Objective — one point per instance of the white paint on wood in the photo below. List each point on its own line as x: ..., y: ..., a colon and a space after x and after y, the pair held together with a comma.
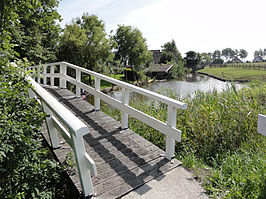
x: 52, y: 77
x: 50, y: 127
x: 262, y: 124
x: 97, y: 89
x: 73, y: 134
x: 63, y: 74
x: 169, y: 128
x: 124, y: 114
x: 170, y: 142
x: 78, y: 79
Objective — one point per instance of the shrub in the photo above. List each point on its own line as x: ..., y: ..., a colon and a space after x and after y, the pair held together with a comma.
x: 26, y: 168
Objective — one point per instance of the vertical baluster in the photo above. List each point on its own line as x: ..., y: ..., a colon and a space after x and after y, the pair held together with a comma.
x: 96, y: 99
x: 33, y: 75
x: 84, y: 172
x: 78, y: 79
x: 63, y: 72
x: 51, y: 127
x: 170, y: 142
x: 52, y: 75
x: 44, y: 75
x: 38, y: 75
x: 124, y: 115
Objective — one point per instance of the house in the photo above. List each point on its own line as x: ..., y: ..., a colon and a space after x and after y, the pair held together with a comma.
x: 258, y: 59
x: 156, y: 56
x: 236, y: 60
x: 158, y: 71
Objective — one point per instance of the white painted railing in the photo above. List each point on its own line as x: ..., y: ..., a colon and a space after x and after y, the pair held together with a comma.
x: 169, y: 128
x: 60, y: 119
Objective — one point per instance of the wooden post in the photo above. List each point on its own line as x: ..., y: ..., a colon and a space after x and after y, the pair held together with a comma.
x: 78, y: 79
x: 262, y: 124
x: 63, y: 72
x: 124, y: 115
x: 38, y: 75
x: 170, y: 142
x: 52, y: 77
x: 96, y: 99
x: 50, y: 127
x: 44, y: 75
x: 84, y: 172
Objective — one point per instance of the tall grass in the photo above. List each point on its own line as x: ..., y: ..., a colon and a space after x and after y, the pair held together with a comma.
x: 219, y: 138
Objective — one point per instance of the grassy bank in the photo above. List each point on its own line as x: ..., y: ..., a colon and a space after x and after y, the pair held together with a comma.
x: 235, y: 73
x: 220, y: 142
x: 106, y: 84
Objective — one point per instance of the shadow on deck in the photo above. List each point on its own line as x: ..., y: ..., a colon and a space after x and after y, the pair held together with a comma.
x: 124, y: 160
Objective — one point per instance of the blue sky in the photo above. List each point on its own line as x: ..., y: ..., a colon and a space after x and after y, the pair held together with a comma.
x: 199, y: 25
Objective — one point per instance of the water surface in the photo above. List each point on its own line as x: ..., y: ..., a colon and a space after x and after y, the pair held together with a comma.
x: 185, y: 87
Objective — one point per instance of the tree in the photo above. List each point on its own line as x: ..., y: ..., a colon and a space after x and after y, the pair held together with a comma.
x: 192, y: 59
x: 170, y: 52
x: 31, y: 27
x: 243, y: 53
x: 259, y: 53
x: 73, y: 45
x: 131, y: 47
x: 37, y: 33
x: 205, y: 58
x: 217, y: 54
x: 85, y: 43
x: 217, y: 57
x: 178, y: 69
x: 228, y: 53
x: 166, y: 57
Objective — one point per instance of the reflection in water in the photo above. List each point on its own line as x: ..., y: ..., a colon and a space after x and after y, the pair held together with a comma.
x: 189, y: 86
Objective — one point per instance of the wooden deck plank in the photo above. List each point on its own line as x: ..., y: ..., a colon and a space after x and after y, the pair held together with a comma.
x: 124, y: 160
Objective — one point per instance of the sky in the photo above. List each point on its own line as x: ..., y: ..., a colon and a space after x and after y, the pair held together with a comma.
x: 198, y: 25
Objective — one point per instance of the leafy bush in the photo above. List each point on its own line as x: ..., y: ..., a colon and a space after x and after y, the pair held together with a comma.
x: 26, y: 168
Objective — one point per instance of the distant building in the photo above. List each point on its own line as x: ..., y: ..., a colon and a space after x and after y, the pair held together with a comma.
x: 156, y: 56
x: 258, y: 59
x: 237, y: 60
x: 159, y: 71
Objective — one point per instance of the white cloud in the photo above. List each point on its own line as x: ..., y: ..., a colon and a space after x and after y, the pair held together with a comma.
x: 200, y: 25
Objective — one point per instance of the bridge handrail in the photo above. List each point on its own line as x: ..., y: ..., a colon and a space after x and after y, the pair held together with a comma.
x: 168, y: 128
x: 68, y: 118
x: 147, y: 93
x: 73, y: 133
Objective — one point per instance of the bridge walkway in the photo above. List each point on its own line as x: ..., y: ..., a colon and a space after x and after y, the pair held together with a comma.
x: 124, y: 160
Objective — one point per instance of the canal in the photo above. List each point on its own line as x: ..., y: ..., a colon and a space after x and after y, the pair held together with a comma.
x: 187, y: 86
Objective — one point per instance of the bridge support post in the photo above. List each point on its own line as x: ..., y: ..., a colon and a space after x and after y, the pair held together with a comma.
x: 170, y: 142
x: 78, y: 79
x: 124, y: 115
x: 50, y: 127
x: 97, y: 99
x: 84, y: 172
x: 63, y: 71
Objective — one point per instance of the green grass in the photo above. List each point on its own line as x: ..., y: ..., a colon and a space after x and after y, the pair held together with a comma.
x: 105, y: 84
x: 220, y: 142
x: 257, y: 65
x: 236, y: 73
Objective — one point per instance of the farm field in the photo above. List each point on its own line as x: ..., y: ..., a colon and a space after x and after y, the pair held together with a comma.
x: 229, y: 73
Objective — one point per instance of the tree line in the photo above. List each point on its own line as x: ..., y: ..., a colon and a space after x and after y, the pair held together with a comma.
x: 37, y: 36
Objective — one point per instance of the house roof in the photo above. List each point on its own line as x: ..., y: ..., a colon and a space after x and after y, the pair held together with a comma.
x: 159, y: 68
x: 236, y: 59
x: 258, y: 59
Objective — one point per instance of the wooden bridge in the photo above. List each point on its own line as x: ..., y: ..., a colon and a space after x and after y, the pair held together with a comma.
x: 112, y: 161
